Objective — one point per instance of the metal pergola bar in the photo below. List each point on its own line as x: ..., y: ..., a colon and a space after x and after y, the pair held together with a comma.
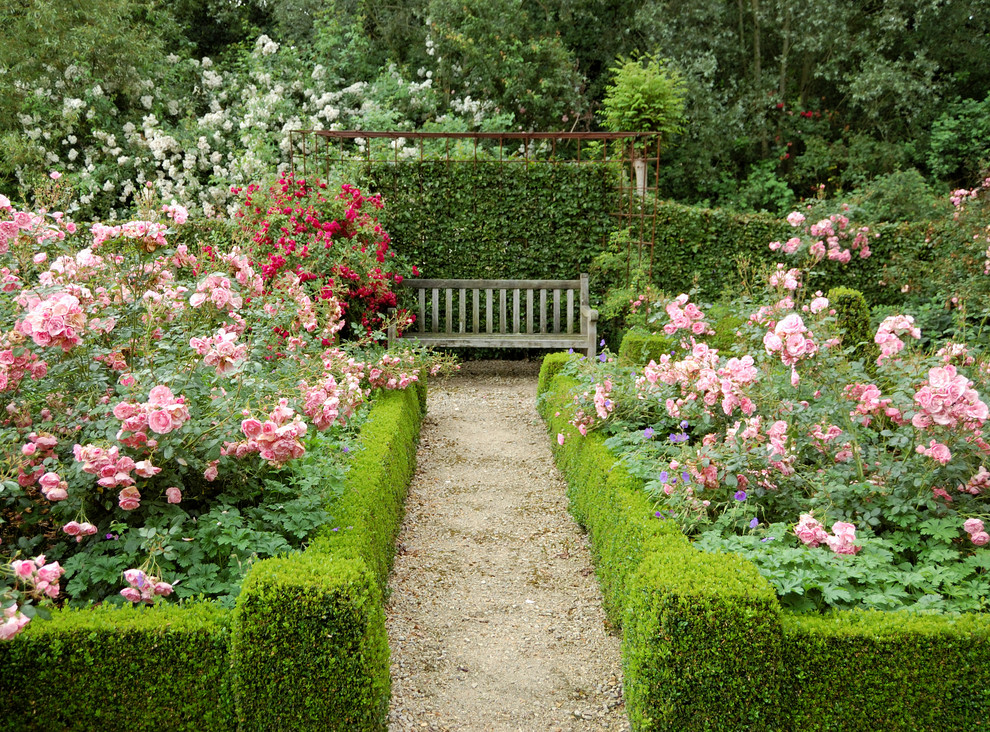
x: 313, y: 152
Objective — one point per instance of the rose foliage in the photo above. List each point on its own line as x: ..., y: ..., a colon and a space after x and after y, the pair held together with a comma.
x: 174, y: 412
x: 848, y: 484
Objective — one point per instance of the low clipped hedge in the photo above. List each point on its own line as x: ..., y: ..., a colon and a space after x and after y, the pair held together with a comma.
x: 704, y: 642
x: 310, y: 651
x: 120, y: 668
x: 305, y: 648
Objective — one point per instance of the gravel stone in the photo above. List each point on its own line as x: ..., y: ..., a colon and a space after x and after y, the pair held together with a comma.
x: 494, y: 618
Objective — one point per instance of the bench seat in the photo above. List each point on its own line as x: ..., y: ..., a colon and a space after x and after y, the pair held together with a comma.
x: 463, y: 313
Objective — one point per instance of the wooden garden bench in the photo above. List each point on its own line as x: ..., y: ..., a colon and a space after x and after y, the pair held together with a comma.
x: 504, y: 314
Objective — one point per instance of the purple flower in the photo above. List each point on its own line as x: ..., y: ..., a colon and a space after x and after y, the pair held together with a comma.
x: 602, y: 343
x: 765, y: 540
x: 678, y: 437
x: 684, y: 424
x: 663, y: 476
x: 570, y: 350
x: 658, y: 515
x: 603, y: 358
x: 648, y: 433
x: 754, y: 523
x: 685, y: 477
x: 740, y: 495
x: 345, y: 448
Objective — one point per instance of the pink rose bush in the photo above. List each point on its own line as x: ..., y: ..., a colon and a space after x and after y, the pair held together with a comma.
x: 152, y: 389
x: 838, y: 483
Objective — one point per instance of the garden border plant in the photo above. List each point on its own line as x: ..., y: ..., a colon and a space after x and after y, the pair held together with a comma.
x: 305, y: 648
x: 706, y: 646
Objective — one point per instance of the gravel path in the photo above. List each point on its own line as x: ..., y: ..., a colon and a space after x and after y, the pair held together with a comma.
x: 495, y: 619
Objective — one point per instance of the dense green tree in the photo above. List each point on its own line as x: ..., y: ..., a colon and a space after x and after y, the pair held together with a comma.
x: 493, y: 52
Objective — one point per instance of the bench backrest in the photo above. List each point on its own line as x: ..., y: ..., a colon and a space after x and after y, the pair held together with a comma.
x: 495, y: 307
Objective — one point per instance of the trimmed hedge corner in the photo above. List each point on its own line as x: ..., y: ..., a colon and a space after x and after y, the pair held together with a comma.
x: 310, y: 648
x: 305, y: 649
x: 706, y: 647
x: 685, y: 615
x: 120, y: 668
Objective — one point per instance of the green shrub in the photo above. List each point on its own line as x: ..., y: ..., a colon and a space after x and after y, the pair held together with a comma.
x: 134, y: 668
x: 853, y: 318
x: 701, y: 644
x: 513, y: 221
x: 639, y: 347
x: 865, y: 671
x: 653, y: 583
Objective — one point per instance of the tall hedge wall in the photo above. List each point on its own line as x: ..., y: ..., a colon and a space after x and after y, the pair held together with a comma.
x: 693, y: 241
x: 515, y: 220
x: 706, y: 646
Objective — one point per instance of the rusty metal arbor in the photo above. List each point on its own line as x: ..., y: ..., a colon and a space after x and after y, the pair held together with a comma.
x: 633, y: 156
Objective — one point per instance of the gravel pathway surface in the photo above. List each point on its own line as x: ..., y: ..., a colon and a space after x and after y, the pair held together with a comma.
x: 495, y: 619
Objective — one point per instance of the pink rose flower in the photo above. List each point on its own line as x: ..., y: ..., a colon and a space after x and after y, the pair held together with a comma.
x: 130, y: 594
x: 129, y: 499
x: 161, y: 422
x: 145, y: 469
x: 980, y: 538
x: 251, y: 428
x: 973, y: 526
x: 173, y: 494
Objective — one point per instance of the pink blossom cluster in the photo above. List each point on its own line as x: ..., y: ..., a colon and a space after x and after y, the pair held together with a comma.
x: 13, y: 622
x: 387, y: 373
x: 114, y: 471
x: 217, y: 289
x: 79, y: 530
x: 143, y: 587
x: 55, y: 321
x: 977, y: 533
x: 276, y: 440
x: 888, y: 332
x: 162, y: 413
x: 790, y: 246
x: 734, y: 378
x: 685, y: 315
x: 977, y: 484
x: 221, y: 351
x: 828, y: 235
x: 818, y: 304
x: 870, y: 403
x: 250, y: 282
x: 39, y: 448
x: 699, y: 376
x: 39, y: 577
x: 330, y: 401
x: 812, y: 534
x: 174, y: 211
x: 14, y: 367
x: 948, y: 400
x: 35, y: 227
x: 793, y: 341
x: 789, y: 280
x: 955, y: 353
x: 149, y: 233
x: 603, y: 404
x: 936, y: 451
